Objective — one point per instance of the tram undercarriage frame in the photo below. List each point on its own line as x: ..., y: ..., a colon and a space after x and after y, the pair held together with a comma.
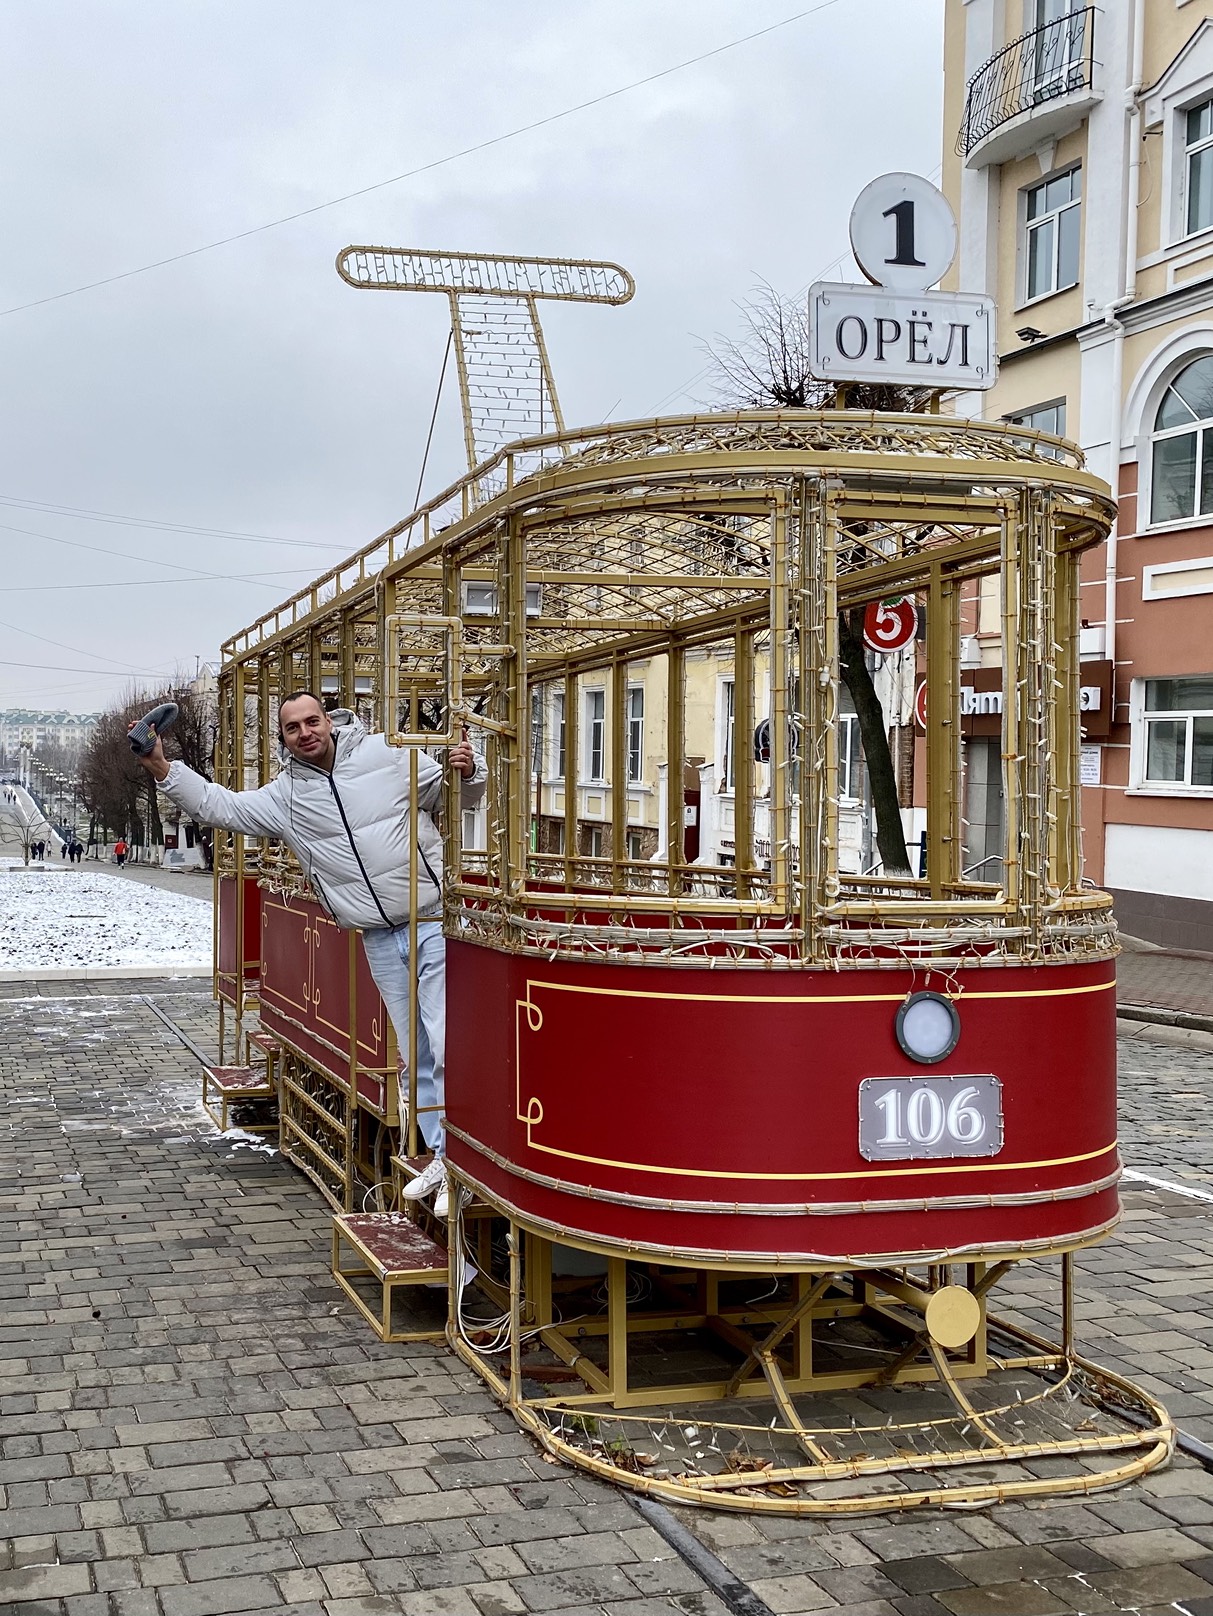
x: 1011, y: 1396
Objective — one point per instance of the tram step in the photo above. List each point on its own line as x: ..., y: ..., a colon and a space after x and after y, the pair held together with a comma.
x: 389, y: 1249
x: 225, y: 1086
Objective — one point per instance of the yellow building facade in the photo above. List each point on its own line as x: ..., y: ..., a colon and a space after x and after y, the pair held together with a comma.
x: 1078, y: 156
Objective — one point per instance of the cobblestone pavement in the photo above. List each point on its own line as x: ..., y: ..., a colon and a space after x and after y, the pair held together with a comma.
x: 193, y: 1422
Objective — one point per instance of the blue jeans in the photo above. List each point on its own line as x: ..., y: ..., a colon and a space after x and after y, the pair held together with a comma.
x: 387, y: 954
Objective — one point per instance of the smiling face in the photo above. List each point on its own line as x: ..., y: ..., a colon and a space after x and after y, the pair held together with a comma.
x: 307, y: 731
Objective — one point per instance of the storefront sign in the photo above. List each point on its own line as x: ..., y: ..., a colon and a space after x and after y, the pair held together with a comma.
x: 981, y: 701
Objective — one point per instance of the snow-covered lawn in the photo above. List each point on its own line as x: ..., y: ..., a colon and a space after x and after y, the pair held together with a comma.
x: 65, y: 918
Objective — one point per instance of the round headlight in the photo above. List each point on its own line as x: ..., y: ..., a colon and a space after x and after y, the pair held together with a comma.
x: 928, y: 1027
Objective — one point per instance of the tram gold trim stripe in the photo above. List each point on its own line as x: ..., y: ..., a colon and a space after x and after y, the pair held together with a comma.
x: 832, y: 998
x: 960, y: 1165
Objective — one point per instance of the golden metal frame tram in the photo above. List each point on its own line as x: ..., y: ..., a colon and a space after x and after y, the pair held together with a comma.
x: 749, y: 1139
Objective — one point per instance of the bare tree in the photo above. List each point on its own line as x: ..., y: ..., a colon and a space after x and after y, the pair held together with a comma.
x: 25, y: 825
x: 118, y: 792
x: 768, y: 365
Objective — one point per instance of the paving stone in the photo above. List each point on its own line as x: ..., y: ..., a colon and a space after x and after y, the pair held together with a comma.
x: 1005, y: 1599
x: 586, y: 1549
x: 1021, y: 1564
x: 793, y: 1594
x: 924, y: 1575
x: 43, y: 1582
x: 592, y: 1585
x: 1149, y: 1585
x: 331, y: 1548
x: 202, y: 1565
x: 1152, y: 1548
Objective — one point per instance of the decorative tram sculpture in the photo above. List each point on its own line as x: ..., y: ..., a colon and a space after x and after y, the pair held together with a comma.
x: 746, y: 1140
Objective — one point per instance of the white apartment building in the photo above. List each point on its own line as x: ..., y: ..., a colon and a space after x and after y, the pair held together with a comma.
x: 23, y: 726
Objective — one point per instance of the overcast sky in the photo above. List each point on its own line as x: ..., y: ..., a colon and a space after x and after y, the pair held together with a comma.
x: 247, y: 388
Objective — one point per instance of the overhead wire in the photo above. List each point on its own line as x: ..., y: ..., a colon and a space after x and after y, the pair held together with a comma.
x: 122, y: 555
x: 152, y: 583
x: 58, y: 667
x: 424, y: 168
x: 82, y: 513
x: 77, y: 650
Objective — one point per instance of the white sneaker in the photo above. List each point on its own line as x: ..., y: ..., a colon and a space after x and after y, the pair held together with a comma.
x: 442, y: 1201
x: 432, y: 1177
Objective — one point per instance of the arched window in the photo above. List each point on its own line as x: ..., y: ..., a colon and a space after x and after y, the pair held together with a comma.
x: 1181, y: 482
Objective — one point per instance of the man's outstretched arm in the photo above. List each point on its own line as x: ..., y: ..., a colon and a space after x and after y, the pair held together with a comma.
x: 253, y: 813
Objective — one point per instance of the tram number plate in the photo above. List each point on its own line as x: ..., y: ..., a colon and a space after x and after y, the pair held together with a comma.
x: 904, y: 1118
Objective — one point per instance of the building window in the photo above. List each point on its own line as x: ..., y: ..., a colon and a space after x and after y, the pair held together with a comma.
x: 536, y: 731
x: 594, y: 841
x: 635, y: 844
x: 1178, y: 718
x: 1198, y: 167
x: 727, y: 709
x: 595, y: 734
x: 850, y: 757
x: 1181, y: 467
x: 559, y: 717
x: 1052, y: 223
x: 1043, y: 418
x: 635, y: 732
x: 1060, y: 27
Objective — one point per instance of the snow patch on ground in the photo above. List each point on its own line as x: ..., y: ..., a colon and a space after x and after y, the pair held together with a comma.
x: 95, y: 920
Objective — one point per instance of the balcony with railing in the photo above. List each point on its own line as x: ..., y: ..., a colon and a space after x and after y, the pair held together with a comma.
x: 1034, y: 89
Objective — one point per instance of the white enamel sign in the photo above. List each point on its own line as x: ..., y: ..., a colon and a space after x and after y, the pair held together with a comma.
x: 906, y: 339
x: 903, y: 232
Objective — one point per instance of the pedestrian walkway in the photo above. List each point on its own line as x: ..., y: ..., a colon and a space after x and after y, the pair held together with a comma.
x: 194, y: 1421
x: 195, y: 883
x: 1165, y: 980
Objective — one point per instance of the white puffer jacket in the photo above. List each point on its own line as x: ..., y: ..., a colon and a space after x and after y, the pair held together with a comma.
x: 349, y: 829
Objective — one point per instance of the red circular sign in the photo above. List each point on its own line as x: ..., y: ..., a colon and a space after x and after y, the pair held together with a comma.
x: 920, y: 704
x: 890, y: 625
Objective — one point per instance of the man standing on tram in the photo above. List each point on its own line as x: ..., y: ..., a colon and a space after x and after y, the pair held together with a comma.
x: 341, y: 804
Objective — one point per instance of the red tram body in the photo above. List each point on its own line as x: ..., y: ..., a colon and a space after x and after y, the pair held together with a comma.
x: 713, y: 1114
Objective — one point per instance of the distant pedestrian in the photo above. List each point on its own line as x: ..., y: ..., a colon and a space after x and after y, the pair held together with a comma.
x: 77, y: 851
x: 120, y: 851
x: 62, y: 848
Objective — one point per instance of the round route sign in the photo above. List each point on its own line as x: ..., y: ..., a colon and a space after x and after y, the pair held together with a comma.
x: 903, y: 232
x: 890, y: 625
